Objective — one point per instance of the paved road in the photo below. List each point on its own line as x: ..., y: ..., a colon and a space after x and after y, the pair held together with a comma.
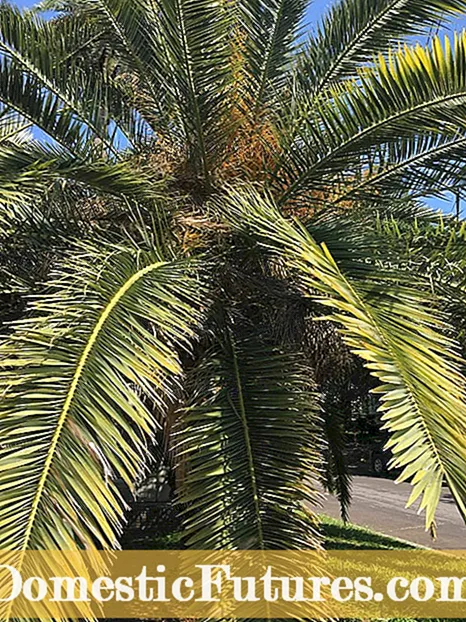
x: 380, y: 504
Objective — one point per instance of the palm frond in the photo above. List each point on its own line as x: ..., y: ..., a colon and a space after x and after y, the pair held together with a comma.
x: 13, y: 129
x: 181, y: 51
x: 33, y: 83
x: 270, y: 31
x: 415, y: 93
x: 337, y: 478
x: 414, y: 166
x: 354, y: 31
x: 128, y: 39
x: 249, y: 447
x: 29, y: 170
x: 435, y: 248
x: 395, y: 329
x: 83, y: 379
x: 43, y: 78
x: 24, y: 94
x: 195, y: 37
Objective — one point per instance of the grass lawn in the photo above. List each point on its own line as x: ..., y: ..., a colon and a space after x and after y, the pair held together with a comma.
x: 339, y: 535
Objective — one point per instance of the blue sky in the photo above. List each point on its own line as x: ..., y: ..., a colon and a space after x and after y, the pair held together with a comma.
x: 316, y: 9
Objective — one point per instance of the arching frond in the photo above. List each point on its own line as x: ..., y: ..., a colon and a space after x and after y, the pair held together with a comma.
x: 181, y: 51
x: 13, y: 129
x: 30, y: 81
x: 82, y: 380
x: 394, y: 328
x: 128, y: 34
x: 418, y: 92
x: 353, y: 31
x: 412, y: 166
x: 249, y: 447
x: 41, y: 78
x: 27, y: 171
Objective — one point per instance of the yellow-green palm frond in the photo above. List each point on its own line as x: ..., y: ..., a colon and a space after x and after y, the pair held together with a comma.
x: 396, y: 120
x: 83, y: 379
x: 394, y: 327
x: 353, y: 31
x: 249, y: 444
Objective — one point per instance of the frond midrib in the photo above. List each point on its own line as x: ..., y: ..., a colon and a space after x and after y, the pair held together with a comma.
x: 104, y: 316
x: 356, y: 44
x: 17, y: 130
x: 295, y: 186
x: 247, y: 439
x: 39, y: 125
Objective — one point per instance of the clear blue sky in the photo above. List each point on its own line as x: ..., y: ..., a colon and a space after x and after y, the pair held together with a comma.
x: 316, y: 9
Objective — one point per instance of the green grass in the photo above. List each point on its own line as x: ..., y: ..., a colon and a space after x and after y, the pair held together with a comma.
x: 339, y: 535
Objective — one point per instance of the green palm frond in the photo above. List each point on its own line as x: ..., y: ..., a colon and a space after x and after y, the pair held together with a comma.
x: 417, y: 92
x: 412, y: 166
x: 41, y: 78
x: 29, y: 170
x: 128, y: 39
x: 337, y: 478
x: 29, y: 82
x: 270, y: 28
x: 395, y: 329
x: 83, y: 379
x: 24, y: 94
x: 436, y: 249
x: 195, y: 38
x: 433, y: 242
x: 405, y: 237
x: 181, y: 51
x: 22, y: 179
x: 404, y: 234
x: 353, y: 31
x: 249, y: 447
x: 13, y: 129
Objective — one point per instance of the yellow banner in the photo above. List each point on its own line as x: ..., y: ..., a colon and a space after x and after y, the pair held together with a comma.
x: 233, y: 584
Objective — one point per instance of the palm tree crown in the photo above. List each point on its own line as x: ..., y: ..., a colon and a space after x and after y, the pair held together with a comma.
x: 208, y: 184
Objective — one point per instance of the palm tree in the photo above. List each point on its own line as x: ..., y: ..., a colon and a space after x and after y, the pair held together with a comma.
x: 203, y: 183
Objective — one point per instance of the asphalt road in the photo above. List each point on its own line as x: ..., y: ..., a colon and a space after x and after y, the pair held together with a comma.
x: 379, y: 503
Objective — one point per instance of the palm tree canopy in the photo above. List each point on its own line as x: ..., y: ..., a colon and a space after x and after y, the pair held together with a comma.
x: 209, y: 183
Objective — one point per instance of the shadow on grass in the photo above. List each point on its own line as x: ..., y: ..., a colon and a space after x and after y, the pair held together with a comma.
x: 339, y: 535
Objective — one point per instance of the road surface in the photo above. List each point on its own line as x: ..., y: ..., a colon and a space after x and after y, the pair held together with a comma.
x: 379, y: 503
